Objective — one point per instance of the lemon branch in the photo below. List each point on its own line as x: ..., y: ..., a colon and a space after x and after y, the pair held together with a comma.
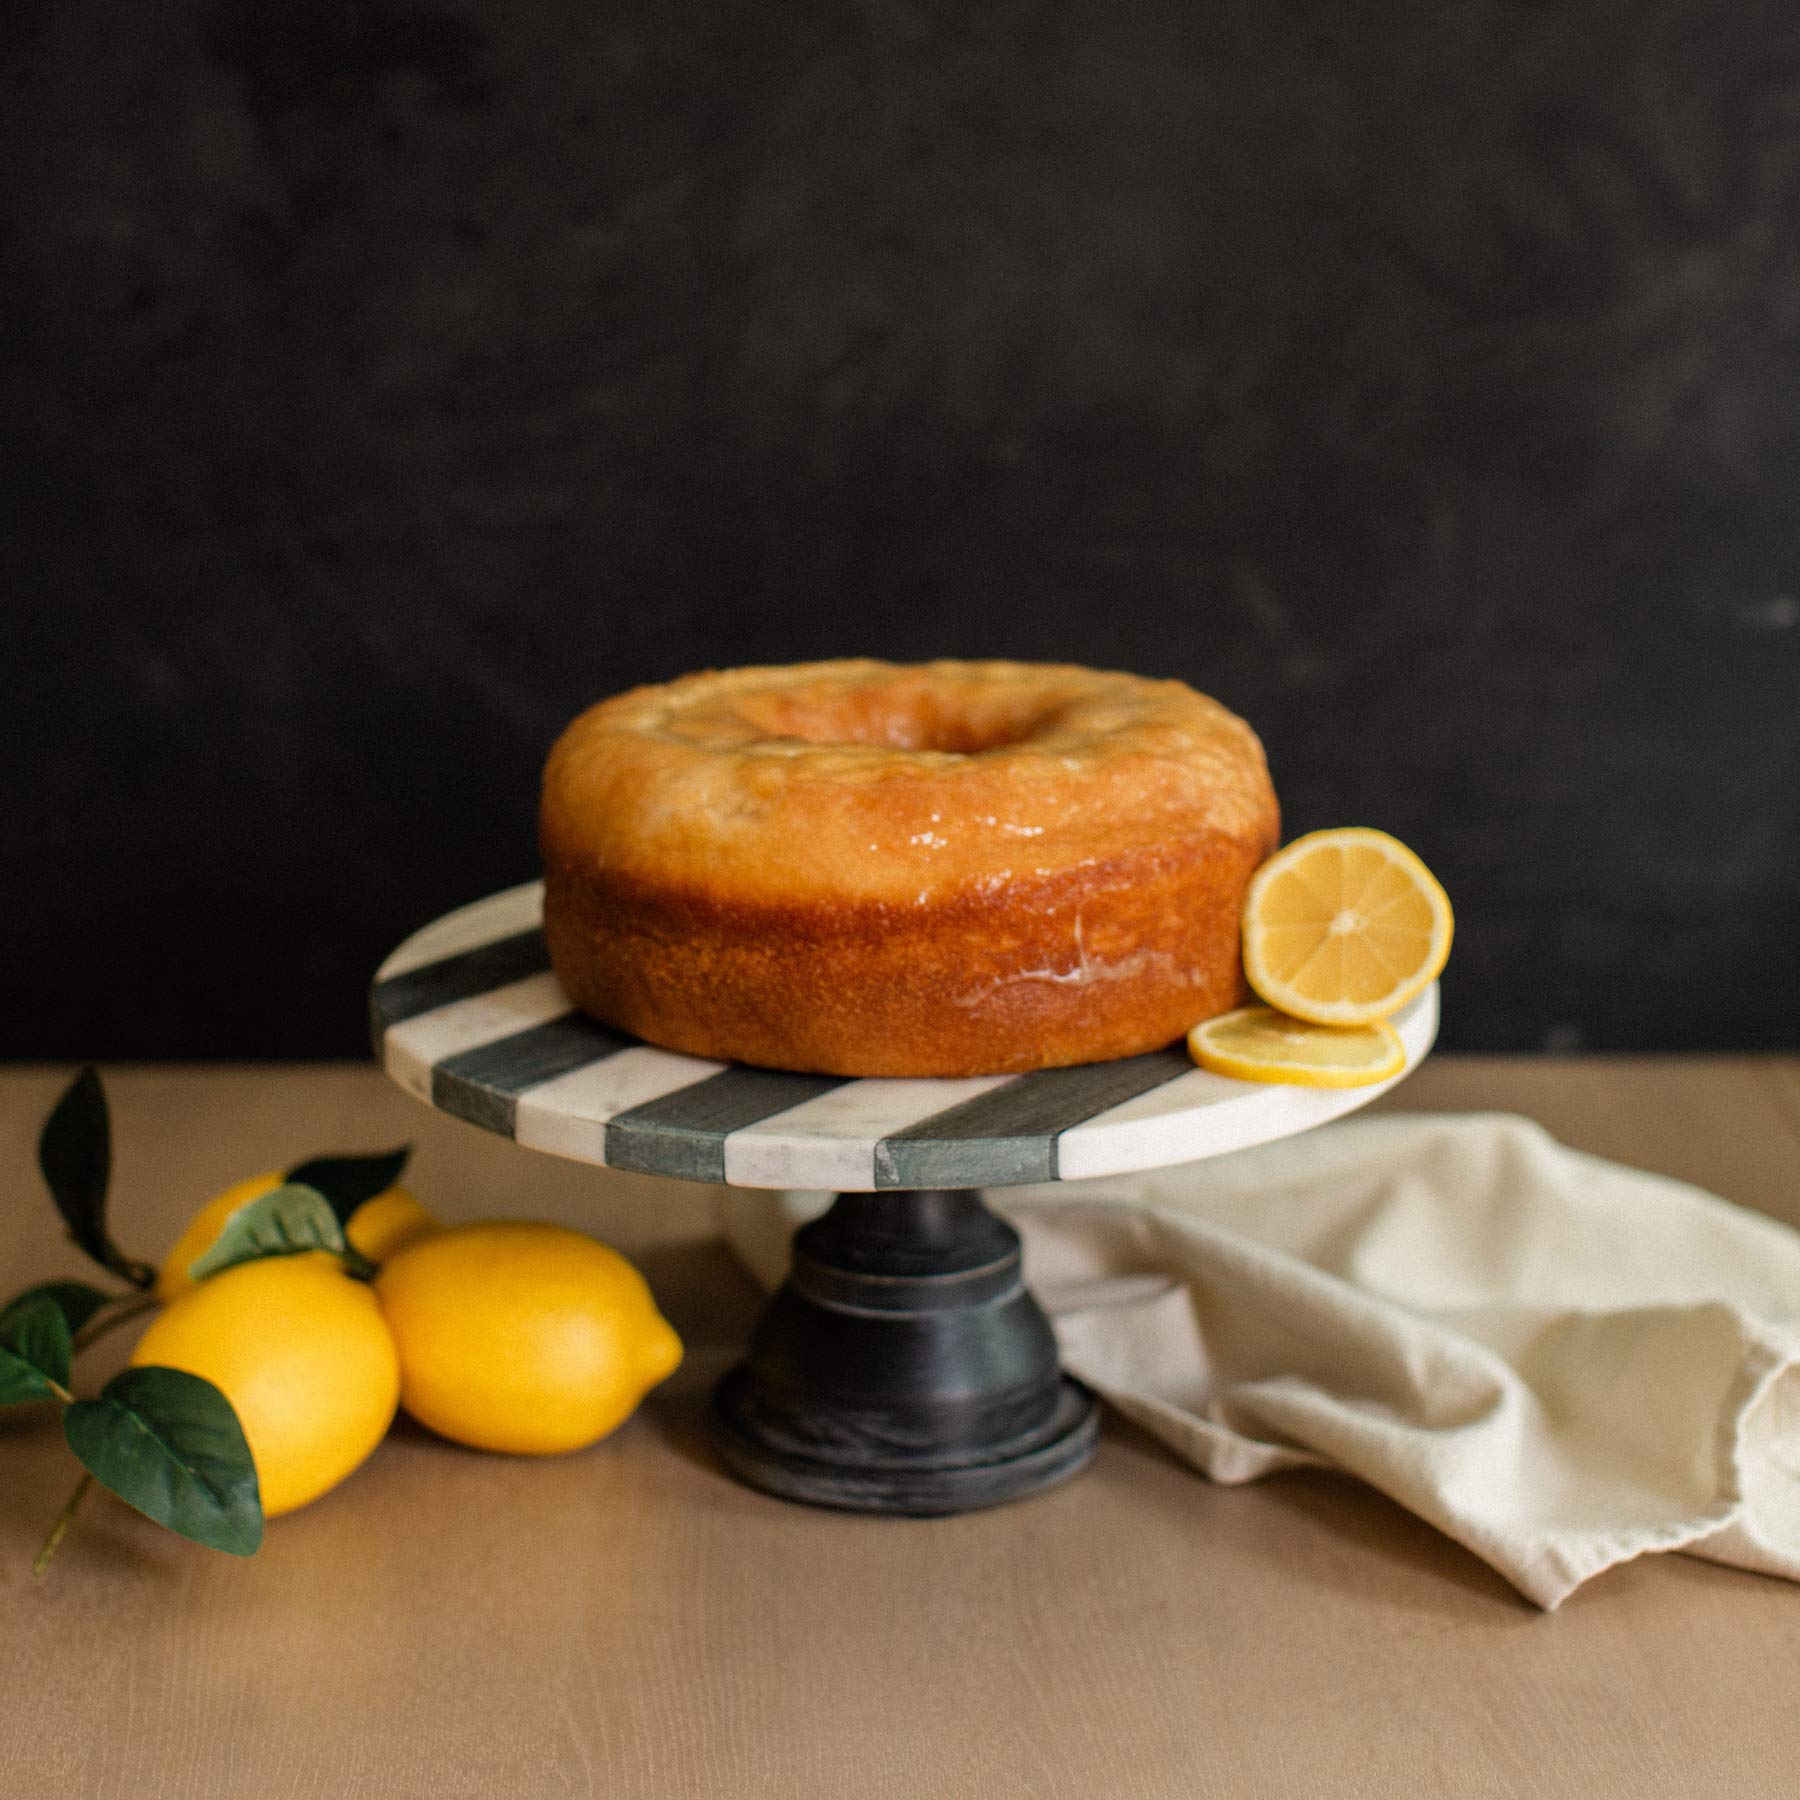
x: 356, y: 1265
x: 128, y: 1307
x: 41, y: 1562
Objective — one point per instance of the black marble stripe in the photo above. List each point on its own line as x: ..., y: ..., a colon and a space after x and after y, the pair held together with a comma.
x: 684, y: 1133
x: 459, y: 977
x: 483, y: 1084
x: 1008, y: 1134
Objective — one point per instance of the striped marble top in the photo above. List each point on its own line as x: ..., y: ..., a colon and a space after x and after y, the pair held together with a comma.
x: 467, y: 1016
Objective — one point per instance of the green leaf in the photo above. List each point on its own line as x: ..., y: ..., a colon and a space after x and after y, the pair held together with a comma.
x: 77, y: 1300
x: 75, y: 1154
x: 34, y: 1350
x: 282, y: 1222
x: 20, y: 1383
x: 169, y: 1444
x: 347, y: 1181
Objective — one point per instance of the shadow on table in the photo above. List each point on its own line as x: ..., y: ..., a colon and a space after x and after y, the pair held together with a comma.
x: 1314, y: 1527
x: 1325, y: 1528
x: 705, y: 1294
x: 1345, y: 1533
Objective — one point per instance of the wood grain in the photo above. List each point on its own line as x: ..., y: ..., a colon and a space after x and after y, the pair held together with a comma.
x: 629, y: 1622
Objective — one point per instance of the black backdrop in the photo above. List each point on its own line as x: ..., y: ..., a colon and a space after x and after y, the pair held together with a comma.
x: 382, y: 382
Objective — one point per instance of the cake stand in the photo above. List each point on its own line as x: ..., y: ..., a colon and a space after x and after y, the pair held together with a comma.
x: 903, y: 1367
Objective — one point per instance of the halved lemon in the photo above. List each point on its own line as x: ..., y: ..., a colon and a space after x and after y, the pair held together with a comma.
x: 1256, y: 1043
x: 1344, y: 927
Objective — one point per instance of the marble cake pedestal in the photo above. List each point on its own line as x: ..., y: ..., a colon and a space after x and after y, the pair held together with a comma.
x: 904, y: 1366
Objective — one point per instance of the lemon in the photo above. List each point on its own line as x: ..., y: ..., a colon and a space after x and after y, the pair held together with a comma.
x: 377, y: 1228
x: 172, y: 1279
x: 522, y: 1337
x: 1344, y: 927
x: 383, y: 1226
x: 305, y: 1358
x: 1256, y: 1043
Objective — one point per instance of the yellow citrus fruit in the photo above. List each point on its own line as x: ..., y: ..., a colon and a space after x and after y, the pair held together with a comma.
x: 523, y: 1337
x: 305, y: 1358
x: 377, y: 1228
x: 1344, y: 927
x: 172, y: 1279
x: 385, y: 1225
x: 1256, y: 1043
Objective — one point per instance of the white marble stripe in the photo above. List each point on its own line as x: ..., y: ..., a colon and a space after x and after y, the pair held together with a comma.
x: 567, y: 1116
x: 830, y: 1140
x: 1202, y: 1114
x: 412, y: 1049
x: 498, y: 916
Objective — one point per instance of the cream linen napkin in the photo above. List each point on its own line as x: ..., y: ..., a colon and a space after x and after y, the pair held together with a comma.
x: 1560, y: 1362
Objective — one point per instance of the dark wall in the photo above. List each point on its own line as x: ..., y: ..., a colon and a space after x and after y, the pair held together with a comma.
x: 383, y: 382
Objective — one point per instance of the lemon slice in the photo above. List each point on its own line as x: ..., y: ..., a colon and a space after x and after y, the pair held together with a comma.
x: 1344, y: 927
x: 1256, y: 1043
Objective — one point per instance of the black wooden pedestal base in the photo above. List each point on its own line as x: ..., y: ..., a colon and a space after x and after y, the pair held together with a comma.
x: 903, y: 1367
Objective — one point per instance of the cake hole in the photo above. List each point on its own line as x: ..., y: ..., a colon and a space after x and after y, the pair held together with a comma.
x: 898, y: 718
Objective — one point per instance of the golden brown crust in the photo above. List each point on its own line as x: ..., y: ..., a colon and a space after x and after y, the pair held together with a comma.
x: 1009, y: 866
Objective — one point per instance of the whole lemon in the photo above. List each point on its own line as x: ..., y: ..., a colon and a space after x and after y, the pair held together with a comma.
x: 377, y: 1228
x: 522, y: 1337
x: 305, y: 1358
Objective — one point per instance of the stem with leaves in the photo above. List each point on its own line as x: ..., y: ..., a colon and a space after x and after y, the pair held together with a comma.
x: 163, y: 1440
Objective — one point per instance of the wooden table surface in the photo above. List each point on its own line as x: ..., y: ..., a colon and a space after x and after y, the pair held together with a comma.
x: 629, y: 1622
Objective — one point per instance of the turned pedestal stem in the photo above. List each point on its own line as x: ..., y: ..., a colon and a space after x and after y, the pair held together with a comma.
x: 903, y: 1366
